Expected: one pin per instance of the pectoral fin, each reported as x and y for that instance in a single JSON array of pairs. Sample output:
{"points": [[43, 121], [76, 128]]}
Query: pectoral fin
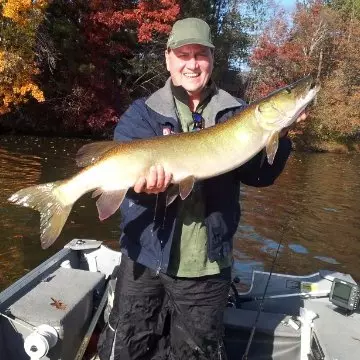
{"points": [[97, 192], [186, 186], [109, 202], [272, 146], [172, 193]]}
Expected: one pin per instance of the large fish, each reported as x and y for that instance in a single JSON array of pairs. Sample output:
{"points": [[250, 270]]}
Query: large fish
{"points": [[113, 167]]}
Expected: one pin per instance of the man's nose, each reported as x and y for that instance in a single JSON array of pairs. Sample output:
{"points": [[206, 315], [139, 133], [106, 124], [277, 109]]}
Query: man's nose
{"points": [[192, 63]]}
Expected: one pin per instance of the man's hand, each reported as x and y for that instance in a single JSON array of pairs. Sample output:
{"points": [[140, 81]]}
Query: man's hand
{"points": [[155, 182], [284, 131]]}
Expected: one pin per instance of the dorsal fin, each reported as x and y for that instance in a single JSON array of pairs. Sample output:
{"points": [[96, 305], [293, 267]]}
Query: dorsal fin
{"points": [[90, 153]]}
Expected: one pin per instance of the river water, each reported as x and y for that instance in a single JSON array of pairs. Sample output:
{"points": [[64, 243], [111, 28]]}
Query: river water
{"points": [[313, 210]]}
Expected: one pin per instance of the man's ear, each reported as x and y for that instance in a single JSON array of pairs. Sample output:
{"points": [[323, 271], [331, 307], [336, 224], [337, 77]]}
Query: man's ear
{"points": [[167, 59]]}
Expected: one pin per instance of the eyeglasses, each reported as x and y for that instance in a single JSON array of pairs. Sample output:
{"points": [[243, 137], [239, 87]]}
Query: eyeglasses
{"points": [[198, 121]]}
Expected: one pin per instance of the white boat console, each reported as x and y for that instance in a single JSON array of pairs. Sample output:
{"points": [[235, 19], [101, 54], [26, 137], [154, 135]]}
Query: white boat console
{"points": [[299, 307]]}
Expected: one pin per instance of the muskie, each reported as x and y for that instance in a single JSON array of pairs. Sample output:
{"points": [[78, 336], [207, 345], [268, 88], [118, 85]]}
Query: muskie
{"points": [[114, 167]]}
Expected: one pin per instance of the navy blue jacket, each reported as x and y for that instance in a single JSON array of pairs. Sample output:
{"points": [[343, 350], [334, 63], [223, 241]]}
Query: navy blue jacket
{"points": [[147, 225]]}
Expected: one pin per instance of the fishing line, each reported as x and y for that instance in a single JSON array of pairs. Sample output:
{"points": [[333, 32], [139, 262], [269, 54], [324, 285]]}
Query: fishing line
{"points": [[262, 301]]}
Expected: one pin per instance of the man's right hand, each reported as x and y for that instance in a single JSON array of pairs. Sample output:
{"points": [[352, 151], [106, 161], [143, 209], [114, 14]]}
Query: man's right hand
{"points": [[155, 182]]}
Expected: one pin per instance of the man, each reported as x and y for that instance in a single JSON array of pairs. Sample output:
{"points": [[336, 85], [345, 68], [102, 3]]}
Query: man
{"points": [[175, 272]]}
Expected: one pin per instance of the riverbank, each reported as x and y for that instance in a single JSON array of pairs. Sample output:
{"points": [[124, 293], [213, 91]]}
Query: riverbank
{"points": [[303, 143]]}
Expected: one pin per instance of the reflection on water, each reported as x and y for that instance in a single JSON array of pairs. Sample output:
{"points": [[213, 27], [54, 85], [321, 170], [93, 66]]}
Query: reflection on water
{"points": [[313, 210], [27, 161]]}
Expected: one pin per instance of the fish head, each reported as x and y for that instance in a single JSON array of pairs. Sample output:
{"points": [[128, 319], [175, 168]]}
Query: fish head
{"points": [[282, 107]]}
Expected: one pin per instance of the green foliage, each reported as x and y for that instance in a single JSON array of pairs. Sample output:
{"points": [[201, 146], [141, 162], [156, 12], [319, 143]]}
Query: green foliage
{"points": [[232, 23], [349, 8]]}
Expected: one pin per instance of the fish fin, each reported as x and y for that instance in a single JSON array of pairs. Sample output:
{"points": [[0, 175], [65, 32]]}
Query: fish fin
{"points": [[90, 153], [53, 214], [97, 192], [109, 202], [172, 193], [272, 146], [185, 186]]}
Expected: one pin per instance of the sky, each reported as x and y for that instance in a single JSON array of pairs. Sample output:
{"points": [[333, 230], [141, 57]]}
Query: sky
{"points": [[287, 4]]}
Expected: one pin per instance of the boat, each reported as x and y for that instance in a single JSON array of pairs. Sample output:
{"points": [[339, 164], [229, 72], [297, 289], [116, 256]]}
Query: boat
{"points": [[57, 310]]}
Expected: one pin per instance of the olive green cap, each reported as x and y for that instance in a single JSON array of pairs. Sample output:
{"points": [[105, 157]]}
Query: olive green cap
{"points": [[190, 31]]}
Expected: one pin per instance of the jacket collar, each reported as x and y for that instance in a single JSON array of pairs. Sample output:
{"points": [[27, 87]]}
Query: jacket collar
{"points": [[162, 102]]}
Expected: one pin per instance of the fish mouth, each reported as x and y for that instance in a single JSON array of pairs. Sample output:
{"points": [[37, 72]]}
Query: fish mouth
{"points": [[305, 86], [314, 87], [302, 92], [305, 91], [311, 93], [307, 98]]}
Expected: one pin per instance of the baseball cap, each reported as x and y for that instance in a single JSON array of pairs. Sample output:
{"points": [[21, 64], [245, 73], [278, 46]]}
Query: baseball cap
{"points": [[190, 31]]}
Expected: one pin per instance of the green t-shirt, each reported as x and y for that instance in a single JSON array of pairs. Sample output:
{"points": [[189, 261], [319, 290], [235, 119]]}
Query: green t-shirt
{"points": [[188, 256]]}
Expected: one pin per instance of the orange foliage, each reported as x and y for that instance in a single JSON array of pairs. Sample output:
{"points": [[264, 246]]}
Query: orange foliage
{"points": [[17, 64], [17, 10], [16, 83], [338, 109]]}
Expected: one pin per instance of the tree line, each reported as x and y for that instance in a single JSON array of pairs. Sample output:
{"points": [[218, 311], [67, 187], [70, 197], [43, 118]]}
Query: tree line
{"points": [[320, 38], [72, 66]]}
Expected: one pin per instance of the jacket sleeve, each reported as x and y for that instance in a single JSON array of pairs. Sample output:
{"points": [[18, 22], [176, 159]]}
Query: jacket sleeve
{"points": [[134, 123], [258, 172]]}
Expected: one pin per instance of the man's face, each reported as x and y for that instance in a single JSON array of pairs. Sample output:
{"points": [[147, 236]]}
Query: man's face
{"points": [[190, 66]]}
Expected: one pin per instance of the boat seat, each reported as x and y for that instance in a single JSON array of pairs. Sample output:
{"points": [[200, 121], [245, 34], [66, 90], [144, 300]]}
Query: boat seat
{"points": [[274, 338], [269, 323], [74, 305]]}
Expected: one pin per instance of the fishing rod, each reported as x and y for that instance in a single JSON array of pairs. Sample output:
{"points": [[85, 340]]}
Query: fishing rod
{"points": [[261, 304]]}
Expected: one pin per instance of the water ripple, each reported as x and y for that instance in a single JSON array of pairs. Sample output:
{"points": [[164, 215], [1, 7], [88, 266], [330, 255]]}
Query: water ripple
{"points": [[313, 210]]}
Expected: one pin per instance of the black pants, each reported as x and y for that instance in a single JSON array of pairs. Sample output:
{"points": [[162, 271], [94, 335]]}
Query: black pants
{"points": [[162, 317]]}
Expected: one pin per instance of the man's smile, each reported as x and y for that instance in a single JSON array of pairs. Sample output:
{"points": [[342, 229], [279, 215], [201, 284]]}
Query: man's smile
{"points": [[191, 75]]}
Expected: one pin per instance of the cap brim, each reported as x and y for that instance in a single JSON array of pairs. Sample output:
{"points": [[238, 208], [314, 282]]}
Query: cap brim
{"points": [[177, 44]]}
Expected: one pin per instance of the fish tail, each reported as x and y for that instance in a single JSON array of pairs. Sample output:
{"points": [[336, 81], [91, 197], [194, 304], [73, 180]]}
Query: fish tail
{"points": [[53, 213]]}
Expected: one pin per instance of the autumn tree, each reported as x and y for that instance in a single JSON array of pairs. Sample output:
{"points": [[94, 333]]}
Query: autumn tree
{"points": [[337, 114], [19, 20], [105, 56], [319, 40], [287, 49]]}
